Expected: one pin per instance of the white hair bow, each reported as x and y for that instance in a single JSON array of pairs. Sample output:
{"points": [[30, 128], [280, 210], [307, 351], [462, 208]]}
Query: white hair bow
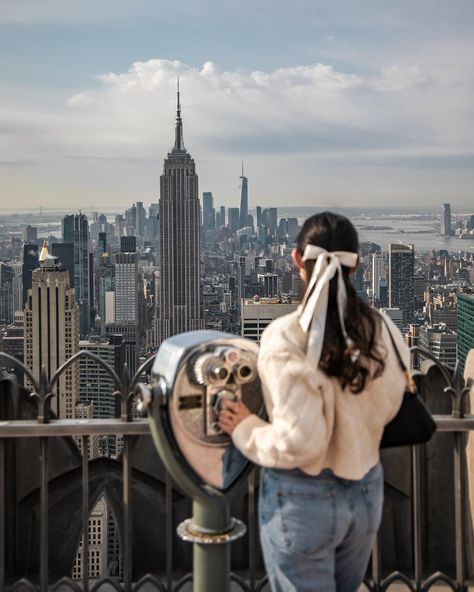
{"points": [[315, 302]]}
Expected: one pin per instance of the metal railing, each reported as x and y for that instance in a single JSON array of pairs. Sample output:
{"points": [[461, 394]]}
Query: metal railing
{"points": [[251, 577]]}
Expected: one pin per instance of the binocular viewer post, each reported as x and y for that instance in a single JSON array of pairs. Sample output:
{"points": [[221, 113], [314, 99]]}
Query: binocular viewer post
{"points": [[192, 373]]}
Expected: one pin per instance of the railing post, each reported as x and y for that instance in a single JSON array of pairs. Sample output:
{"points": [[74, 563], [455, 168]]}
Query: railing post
{"points": [[416, 515], [459, 512], [44, 515]]}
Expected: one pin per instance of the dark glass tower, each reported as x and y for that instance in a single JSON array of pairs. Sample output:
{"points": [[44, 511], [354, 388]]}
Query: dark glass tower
{"points": [[401, 280], [82, 271], [244, 200], [30, 263], [179, 305]]}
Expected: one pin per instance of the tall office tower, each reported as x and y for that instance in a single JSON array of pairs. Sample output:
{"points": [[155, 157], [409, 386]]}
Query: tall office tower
{"points": [[234, 218], [258, 313], [30, 263], [105, 292], [141, 219], [6, 294], [244, 200], [440, 342], [273, 219], [30, 234], [52, 330], [446, 220], [17, 286], [208, 211], [82, 271], [465, 326], [128, 244], [180, 225], [152, 227], [68, 228], [126, 288], [259, 215], [65, 253], [378, 273], [401, 273], [222, 212], [119, 226], [102, 243], [131, 220]]}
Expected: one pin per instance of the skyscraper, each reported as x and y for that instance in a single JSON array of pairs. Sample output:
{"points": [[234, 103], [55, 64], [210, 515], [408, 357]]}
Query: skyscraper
{"points": [[446, 220], [126, 288], [244, 200], [378, 273], [76, 231], [30, 263], [180, 267], [6, 293], [234, 220], [465, 326], [51, 330], [208, 211], [401, 274], [65, 253]]}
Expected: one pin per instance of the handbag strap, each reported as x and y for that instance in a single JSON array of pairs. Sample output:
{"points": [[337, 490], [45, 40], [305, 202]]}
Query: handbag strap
{"points": [[411, 385]]}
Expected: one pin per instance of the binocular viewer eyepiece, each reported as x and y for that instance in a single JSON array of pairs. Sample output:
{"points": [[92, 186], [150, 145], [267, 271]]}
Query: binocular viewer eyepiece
{"points": [[223, 365], [191, 376]]}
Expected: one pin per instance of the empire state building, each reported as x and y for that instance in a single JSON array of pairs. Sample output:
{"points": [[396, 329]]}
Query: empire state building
{"points": [[179, 306]]}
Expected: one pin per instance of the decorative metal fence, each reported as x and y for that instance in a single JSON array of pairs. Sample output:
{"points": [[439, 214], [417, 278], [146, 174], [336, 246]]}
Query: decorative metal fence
{"points": [[250, 576]]}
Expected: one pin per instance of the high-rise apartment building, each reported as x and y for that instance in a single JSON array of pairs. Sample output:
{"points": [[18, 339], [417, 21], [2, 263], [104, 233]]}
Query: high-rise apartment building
{"points": [[180, 254], [96, 386], [401, 273], [446, 229], [52, 331], [222, 213], [465, 326], [244, 200]]}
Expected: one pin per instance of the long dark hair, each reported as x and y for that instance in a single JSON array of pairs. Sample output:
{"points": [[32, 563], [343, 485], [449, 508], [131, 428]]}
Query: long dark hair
{"points": [[334, 232]]}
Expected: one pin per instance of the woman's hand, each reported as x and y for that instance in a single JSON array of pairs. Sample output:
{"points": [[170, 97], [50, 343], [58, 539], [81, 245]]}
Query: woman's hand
{"points": [[231, 414]]}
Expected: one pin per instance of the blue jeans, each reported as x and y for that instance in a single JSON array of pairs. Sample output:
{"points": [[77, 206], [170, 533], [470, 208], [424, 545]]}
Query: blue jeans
{"points": [[317, 532]]}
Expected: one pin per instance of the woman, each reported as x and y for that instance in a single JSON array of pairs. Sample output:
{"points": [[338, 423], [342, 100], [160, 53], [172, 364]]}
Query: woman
{"points": [[331, 382]]}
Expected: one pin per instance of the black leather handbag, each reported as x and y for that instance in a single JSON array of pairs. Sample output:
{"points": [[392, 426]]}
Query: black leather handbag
{"points": [[413, 423]]}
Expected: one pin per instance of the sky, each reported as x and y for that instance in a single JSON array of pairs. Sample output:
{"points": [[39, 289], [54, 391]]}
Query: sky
{"points": [[327, 103]]}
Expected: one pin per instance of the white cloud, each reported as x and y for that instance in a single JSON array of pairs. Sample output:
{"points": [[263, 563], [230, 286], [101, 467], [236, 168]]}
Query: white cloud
{"points": [[284, 121]]}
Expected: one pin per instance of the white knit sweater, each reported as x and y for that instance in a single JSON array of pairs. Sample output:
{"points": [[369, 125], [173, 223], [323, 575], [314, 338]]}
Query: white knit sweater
{"points": [[314, 423]]}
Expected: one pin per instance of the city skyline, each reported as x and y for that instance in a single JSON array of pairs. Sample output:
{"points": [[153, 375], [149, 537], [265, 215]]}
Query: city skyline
{"points": [[359, 106]]}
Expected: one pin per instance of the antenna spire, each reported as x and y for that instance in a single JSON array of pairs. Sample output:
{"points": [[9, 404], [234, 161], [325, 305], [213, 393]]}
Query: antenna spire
{"points": [[178, 138]]}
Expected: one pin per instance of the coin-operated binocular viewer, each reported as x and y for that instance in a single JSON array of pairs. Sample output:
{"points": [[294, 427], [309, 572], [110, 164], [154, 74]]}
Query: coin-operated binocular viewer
{"points": [[192, 374]]}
